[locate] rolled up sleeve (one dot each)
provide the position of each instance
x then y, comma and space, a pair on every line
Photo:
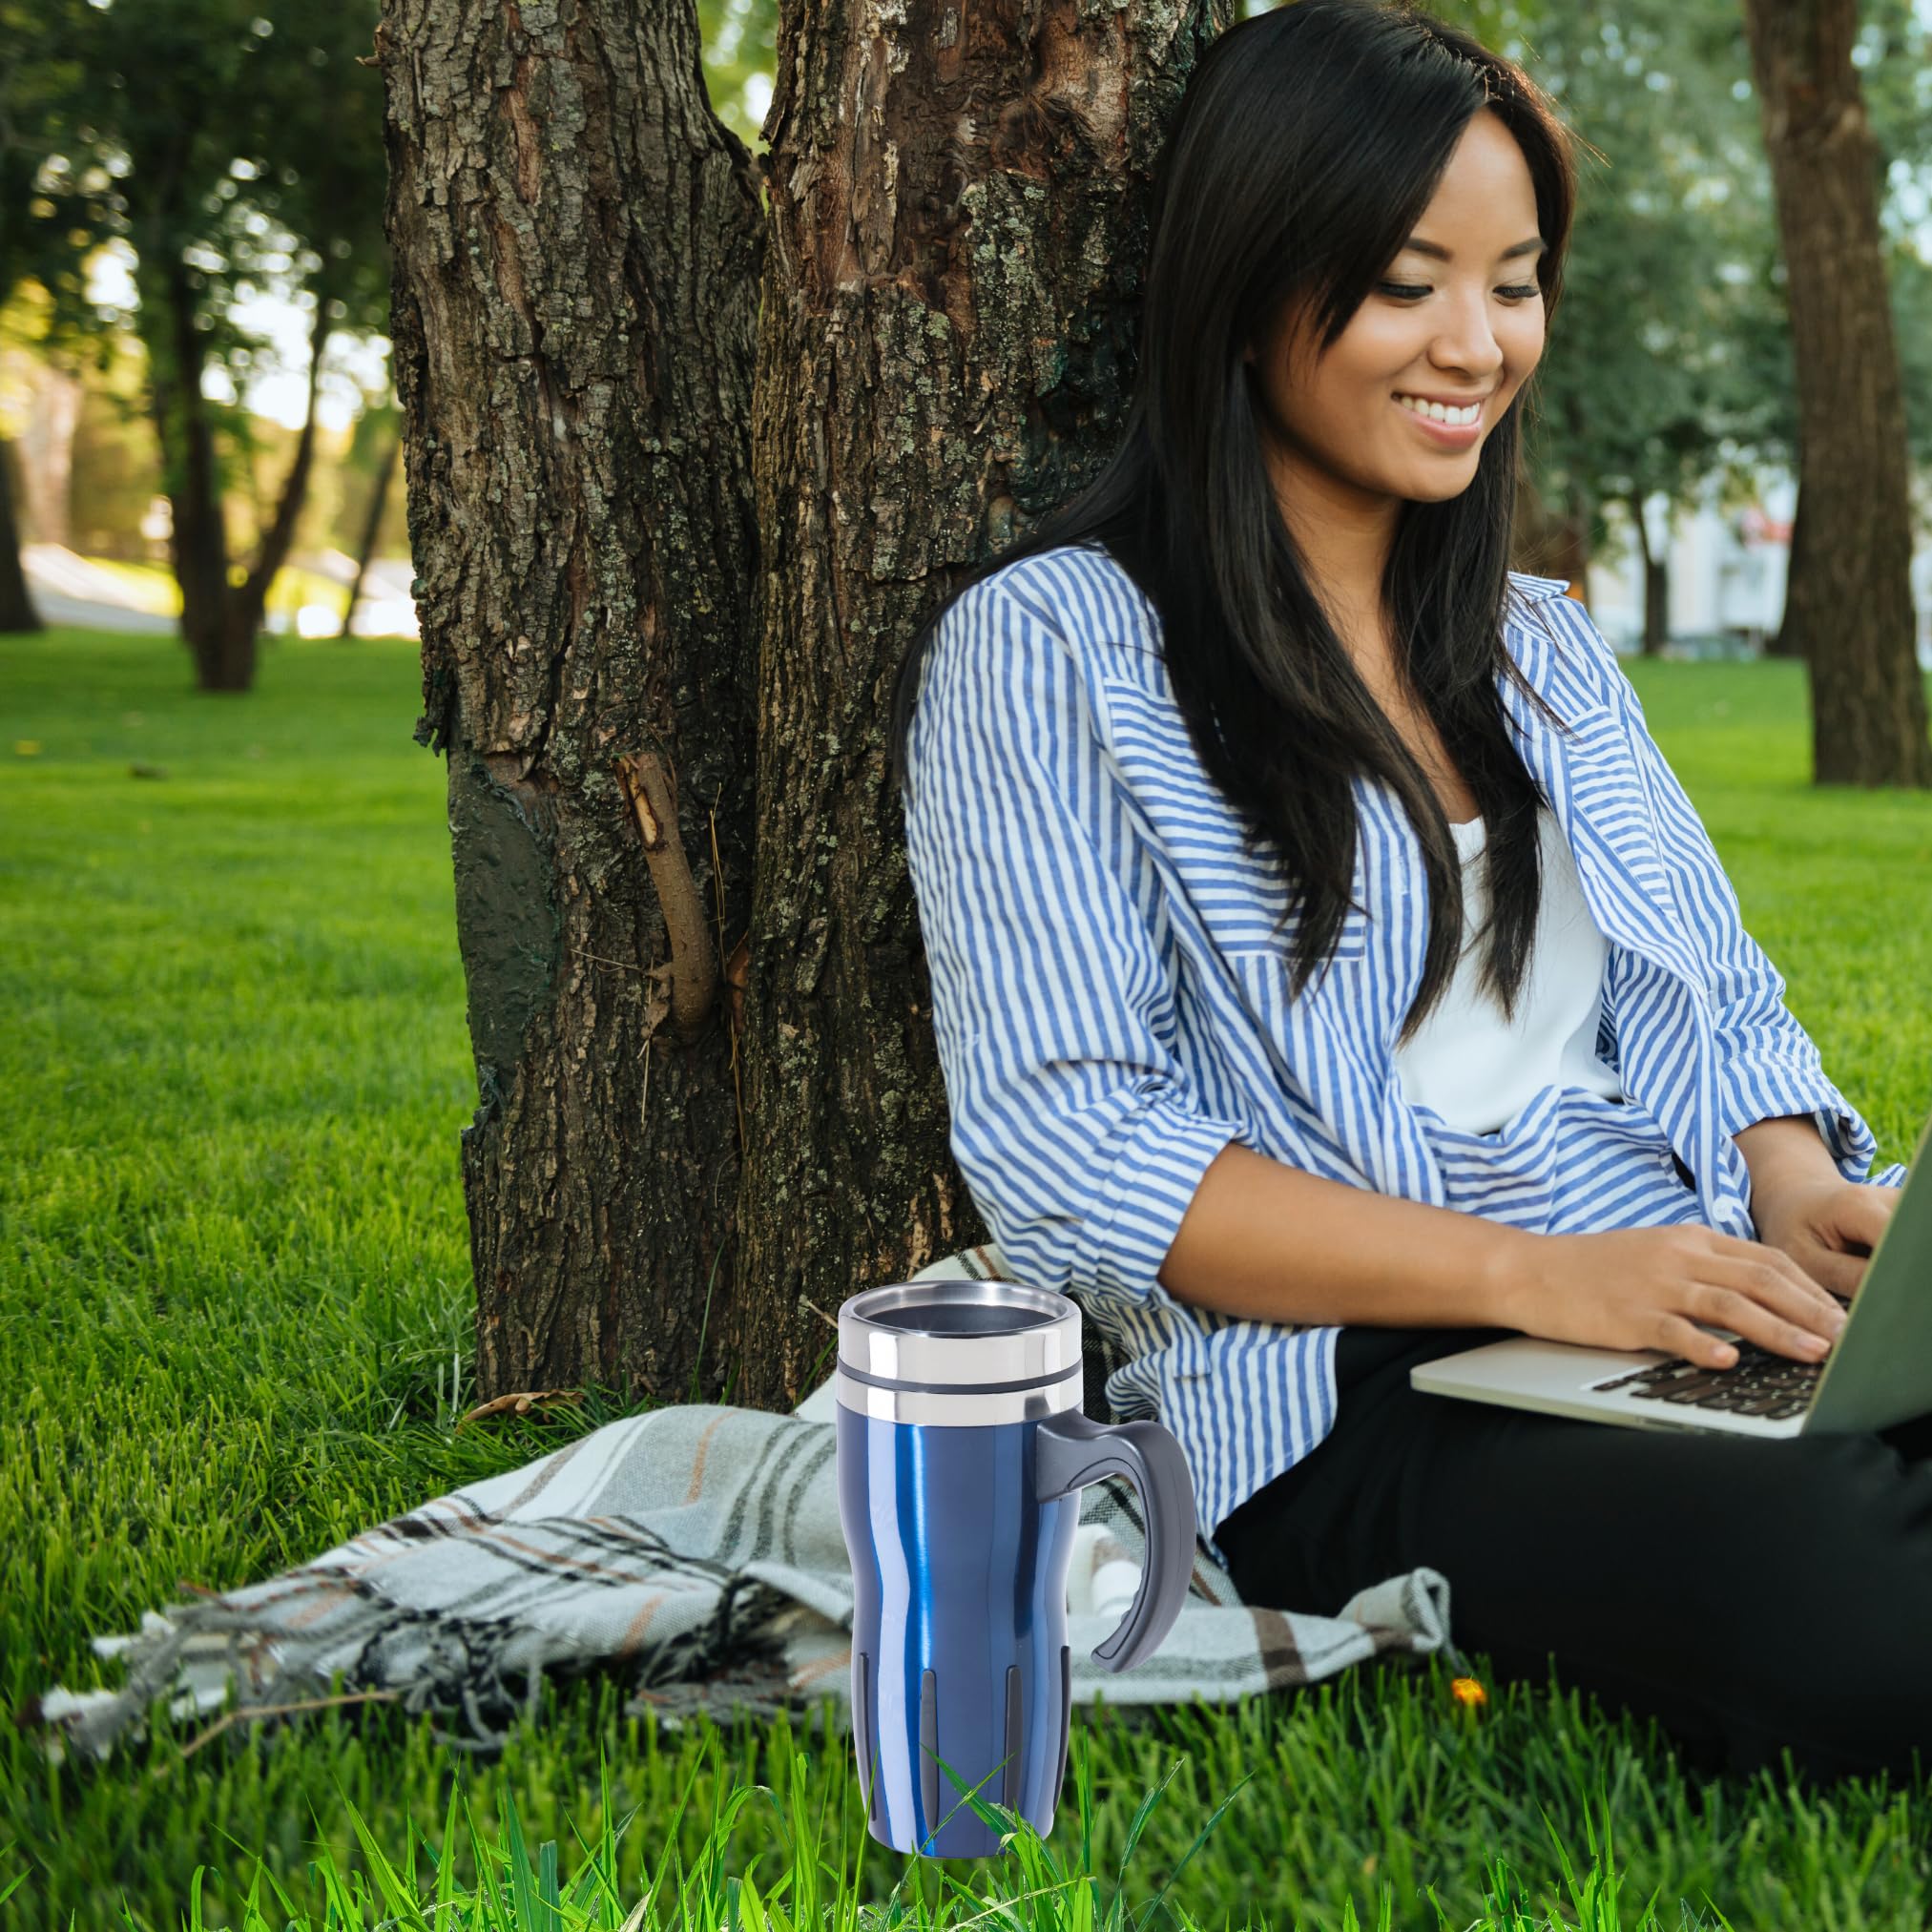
1072, 1122
1769, 1065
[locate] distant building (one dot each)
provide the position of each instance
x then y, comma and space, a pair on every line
1727, 572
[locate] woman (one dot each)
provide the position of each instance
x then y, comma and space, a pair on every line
1328, 971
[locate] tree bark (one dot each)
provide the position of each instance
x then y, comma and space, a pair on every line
16, 602
958, 220
1849, 603
372, 529
576, 243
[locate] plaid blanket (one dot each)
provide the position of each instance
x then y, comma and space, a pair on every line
697, 1549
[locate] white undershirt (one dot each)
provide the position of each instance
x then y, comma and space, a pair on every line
1468, 1063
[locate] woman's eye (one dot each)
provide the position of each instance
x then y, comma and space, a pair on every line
1409, 291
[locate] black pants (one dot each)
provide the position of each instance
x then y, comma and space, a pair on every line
1749, 1595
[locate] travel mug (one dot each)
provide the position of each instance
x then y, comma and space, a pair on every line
962, 1451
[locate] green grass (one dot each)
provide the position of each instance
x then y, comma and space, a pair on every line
235, 1327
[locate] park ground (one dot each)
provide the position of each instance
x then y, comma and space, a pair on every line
235, 1328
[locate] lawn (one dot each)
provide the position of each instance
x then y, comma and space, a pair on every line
235, 1328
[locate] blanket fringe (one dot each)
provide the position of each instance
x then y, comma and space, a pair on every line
231, 1666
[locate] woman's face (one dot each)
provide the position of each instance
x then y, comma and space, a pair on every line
1464, 324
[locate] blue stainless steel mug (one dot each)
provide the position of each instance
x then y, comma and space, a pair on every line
962, 1451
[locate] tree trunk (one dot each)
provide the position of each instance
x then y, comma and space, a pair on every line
249, 599
576, 243
16, 601
1654, 574
957, 223
197, 537
372, 529
46, 449
219, 620
1849, 604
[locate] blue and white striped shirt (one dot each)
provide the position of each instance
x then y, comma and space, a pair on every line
1112, 1006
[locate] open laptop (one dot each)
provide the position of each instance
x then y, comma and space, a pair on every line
1877, 1372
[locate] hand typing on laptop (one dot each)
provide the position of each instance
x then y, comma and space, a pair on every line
1616, 1327
1827, 1224
1629, 1288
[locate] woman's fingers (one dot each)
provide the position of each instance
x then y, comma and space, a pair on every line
1840, 1274
1681, 1335
1763, 1295
1788, 1279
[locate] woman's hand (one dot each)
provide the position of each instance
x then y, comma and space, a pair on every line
1630, 1288
1828, 1227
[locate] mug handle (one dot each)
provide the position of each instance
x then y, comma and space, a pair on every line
1072, 1450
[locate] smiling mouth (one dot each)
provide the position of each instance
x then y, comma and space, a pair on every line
1478, 404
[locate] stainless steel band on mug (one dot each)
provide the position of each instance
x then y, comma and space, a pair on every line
959, 1409
961, 1352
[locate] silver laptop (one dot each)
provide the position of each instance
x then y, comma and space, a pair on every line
1878, 1371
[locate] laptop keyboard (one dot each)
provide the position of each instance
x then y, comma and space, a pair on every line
1759, 1383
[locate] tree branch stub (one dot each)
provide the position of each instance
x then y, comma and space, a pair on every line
693, 962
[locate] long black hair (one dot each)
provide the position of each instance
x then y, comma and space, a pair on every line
1306, 148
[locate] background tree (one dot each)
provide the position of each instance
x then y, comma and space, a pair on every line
1674, 376
1848, 598
249, 151
52, 214
1644, 395
115, 459
374, 456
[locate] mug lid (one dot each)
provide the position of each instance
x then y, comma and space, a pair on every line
958, 1335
